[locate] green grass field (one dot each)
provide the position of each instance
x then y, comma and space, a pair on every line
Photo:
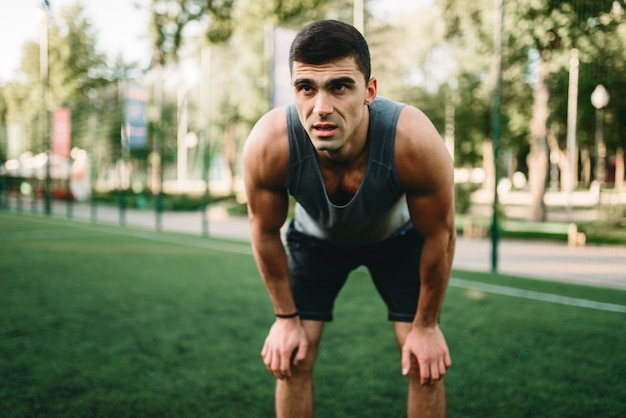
104, 321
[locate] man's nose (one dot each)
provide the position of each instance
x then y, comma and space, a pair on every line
323, 104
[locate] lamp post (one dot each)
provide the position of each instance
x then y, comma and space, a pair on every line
600, 99
498, 43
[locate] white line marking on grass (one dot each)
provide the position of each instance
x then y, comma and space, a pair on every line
198, 242
245, 249
211, 245
538, 296
43, 234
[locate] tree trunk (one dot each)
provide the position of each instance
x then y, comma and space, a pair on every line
560, 159
230, 154
538, 156
585, 160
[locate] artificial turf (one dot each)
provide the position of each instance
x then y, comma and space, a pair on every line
104, 321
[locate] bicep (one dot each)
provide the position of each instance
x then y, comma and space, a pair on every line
265, 163
432, 214
426, 173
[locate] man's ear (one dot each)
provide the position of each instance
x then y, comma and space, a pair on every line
372, 86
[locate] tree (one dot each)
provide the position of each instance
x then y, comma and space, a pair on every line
553, 30
235, 82
169, 18
546, 31
75, 67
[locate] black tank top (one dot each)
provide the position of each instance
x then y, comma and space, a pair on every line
378, 209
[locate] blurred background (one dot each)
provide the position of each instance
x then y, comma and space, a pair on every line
135, 112
147, 103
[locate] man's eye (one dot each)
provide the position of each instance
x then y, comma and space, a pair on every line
340, 87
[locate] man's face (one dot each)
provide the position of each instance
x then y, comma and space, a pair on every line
331, 99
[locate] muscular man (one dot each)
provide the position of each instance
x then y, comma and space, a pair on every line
374, 186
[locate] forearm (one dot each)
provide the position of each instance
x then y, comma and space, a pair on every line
271, 259
435, 267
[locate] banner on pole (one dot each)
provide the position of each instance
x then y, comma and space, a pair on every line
282, 92
61, 132
135, 131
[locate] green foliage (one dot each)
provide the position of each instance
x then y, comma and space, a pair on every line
462, 194
590, 26
539, 37
288, 9
416, 59
169, 201
74, 68
612, 232
169, 18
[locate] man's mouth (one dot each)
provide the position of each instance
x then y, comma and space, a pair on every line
324, 129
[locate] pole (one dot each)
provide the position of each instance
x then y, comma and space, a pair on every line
600, 99
157, 160
181, 155
205, 109
358, 16
572, 107
43, 68
93, 170
122, 168
450, 112
496, 130
601, 148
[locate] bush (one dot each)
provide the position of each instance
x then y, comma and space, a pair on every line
146, 200
462, 192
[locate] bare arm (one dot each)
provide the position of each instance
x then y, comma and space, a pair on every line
426, 172
265, 160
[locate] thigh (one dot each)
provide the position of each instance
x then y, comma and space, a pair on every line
317, 271
394, 266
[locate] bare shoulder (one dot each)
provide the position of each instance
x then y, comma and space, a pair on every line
422, 159
266, 151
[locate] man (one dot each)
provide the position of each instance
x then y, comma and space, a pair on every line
373, 183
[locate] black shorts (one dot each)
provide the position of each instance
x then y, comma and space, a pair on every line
318, 269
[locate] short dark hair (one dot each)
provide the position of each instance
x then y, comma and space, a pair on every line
327, 40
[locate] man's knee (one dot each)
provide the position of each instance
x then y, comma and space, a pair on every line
305, 366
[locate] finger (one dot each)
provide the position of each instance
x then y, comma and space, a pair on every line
267, 359
282, 365
406, 361
425, 376
443, 367
441, 370
299, 353
434, 373
273, 363
284, 369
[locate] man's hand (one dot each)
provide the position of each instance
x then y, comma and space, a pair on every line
286, 344
428, 347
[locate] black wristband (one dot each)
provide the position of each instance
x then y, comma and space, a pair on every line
287, 316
